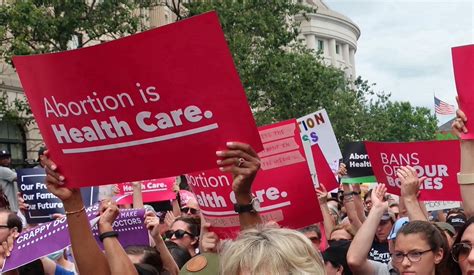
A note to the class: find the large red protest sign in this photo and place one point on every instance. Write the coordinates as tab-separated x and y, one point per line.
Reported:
145	106
436	160
463	64
283	186
152	190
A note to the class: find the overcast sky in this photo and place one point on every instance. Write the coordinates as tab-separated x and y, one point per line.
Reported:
405	45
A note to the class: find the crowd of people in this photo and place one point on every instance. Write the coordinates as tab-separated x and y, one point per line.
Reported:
362	232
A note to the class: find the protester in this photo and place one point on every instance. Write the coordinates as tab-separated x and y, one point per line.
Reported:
40	153
271	251
334	256
185	232
420	248
313	233
8	182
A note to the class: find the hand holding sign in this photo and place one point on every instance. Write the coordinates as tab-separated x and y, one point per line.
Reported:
209	240
458	125
152	223
108	213
6	247
322	193
242	161
410	183
54	180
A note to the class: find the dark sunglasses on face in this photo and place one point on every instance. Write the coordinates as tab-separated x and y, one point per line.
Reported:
179	234
189	210
461	251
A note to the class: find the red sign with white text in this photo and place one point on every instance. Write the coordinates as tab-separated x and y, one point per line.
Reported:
437	160
152	190
283	185
151	105
323	171
463	64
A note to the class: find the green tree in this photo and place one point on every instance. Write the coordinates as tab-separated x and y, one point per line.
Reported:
44	26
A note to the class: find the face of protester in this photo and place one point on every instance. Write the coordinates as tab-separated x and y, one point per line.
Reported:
340	234
331	270
467	264
383	230
191	209
368	204
412	243
313	237
187	241
5	161
4	230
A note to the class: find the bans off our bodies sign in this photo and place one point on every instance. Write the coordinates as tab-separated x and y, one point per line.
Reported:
283	186
436	160
155	102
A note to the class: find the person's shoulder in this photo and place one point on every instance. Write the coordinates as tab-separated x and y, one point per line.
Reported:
380	268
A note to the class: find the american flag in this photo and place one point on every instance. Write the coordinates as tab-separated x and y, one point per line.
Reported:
443	108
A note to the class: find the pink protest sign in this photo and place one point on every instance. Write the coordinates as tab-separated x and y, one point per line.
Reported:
463	64
151	102
436	160
323	171
152	190
283	185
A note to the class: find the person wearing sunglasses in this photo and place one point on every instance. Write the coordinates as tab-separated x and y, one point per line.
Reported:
185	232
420	248
191	209
462	255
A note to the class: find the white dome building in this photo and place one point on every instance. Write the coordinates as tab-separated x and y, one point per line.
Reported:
331	33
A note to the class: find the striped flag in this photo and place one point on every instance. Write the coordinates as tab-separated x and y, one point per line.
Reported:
443	108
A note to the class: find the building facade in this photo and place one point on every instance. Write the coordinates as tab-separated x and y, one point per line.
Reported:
331	34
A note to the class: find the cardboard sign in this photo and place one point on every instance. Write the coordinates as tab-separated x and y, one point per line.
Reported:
283	186
50	237
317	129
437	160
142	101
323	171
463	64
356	159
441	205
152	190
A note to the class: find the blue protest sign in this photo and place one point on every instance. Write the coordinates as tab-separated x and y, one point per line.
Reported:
33	190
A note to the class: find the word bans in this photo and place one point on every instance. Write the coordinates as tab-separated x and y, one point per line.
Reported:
215	201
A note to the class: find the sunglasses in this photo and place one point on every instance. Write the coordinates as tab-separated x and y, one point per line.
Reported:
179	234
461	251
189	210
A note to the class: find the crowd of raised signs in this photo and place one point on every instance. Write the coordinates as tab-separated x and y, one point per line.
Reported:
362	232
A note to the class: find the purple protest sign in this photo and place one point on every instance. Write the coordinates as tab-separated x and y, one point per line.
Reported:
130	226
50	237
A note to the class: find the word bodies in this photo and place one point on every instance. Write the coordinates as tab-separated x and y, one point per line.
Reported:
439	168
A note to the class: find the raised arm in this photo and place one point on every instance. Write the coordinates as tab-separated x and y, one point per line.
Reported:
328	221
350	206
152	223
119	263
358	202
89	258
360	246
410	187
466	175
241	160
137	194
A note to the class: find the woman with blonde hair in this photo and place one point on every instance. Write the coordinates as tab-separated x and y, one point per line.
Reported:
267	250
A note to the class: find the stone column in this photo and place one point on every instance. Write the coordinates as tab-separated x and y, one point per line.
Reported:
311	41
332	51
345	57
352	61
